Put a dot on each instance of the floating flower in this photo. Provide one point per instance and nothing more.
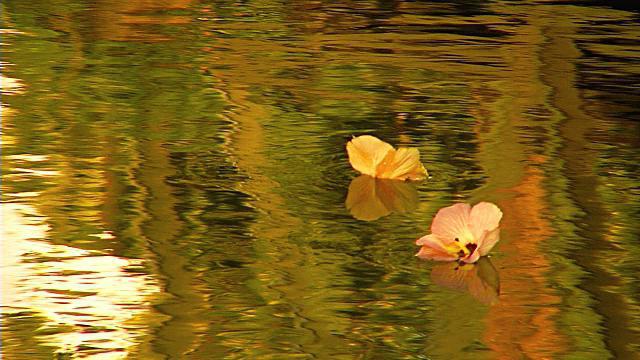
(374, 157)
(462, 233)
(369, 198)
(481, 279)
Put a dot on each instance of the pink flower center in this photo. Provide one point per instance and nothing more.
(471, 247)
(467, 250)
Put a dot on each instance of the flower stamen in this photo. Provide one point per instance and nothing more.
(471, 247)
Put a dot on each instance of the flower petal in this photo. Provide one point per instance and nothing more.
(452, 222)
(488, 241)
(473, 257)
(402, 164)
(366, 152)
(431, 241)
(427, 252)
(484, 216)
(433, 248)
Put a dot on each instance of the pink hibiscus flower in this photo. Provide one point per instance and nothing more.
(460, 232)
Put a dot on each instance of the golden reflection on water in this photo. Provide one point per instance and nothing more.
(10, 85)
(86, 300)
(532, 331)
(369, 199)
(85, 303)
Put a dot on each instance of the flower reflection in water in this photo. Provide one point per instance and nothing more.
(369, 199)
(481, 279)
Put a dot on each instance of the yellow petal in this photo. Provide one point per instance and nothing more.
(366, 152)
(402, 164)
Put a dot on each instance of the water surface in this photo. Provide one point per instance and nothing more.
(174, 179)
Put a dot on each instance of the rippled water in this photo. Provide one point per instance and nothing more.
(175, 185)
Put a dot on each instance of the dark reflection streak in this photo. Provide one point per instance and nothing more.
(247, 145)
(161, 230)
(629, 5)
(161, 227)
(560, 73)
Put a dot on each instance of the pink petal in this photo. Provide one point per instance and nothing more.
(451, 222)
(488, 241)
(430, 240)
(472, 258)
(427, 252)
(484, 217)
(434, 249)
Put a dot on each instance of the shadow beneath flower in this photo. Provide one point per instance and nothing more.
(369, 198)
(481, 279)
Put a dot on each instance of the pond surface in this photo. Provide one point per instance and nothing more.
(174, 179)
